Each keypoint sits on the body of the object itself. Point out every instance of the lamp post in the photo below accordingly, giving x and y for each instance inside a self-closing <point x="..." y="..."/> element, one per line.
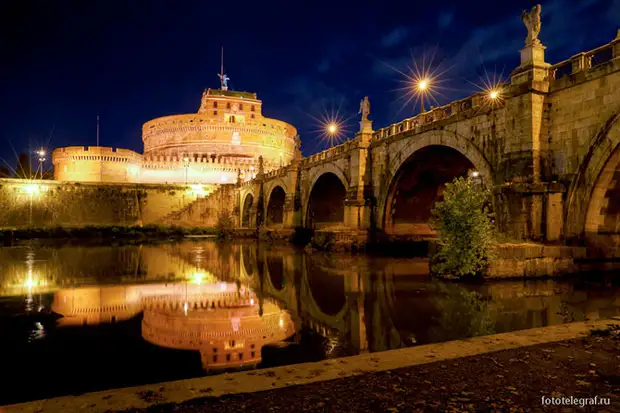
<point x="186" y="166"/>
<point x="422" y="87"/>
<point x="41" y="155"/>
<point x="476" y="179"/>
<point x="332" y="131"/>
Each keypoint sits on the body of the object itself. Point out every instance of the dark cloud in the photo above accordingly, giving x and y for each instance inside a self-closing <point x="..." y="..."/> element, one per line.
<point x="394" y="37"/>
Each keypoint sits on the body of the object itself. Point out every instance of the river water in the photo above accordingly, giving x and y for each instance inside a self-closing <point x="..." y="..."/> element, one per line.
<point x="83" y="318"/>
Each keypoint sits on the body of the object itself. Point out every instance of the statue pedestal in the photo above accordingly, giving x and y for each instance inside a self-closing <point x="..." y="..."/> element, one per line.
<point x="533" y="54"/>
<point x="366" y="126"/>
<point x="533" y="67"/>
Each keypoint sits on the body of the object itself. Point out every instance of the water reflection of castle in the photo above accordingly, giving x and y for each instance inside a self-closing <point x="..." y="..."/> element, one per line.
<point x="223" y="321"/>
<point x="364" y="304"/>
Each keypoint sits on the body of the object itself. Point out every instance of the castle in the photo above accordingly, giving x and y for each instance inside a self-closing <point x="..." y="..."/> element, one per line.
<point x="220" y="144"/>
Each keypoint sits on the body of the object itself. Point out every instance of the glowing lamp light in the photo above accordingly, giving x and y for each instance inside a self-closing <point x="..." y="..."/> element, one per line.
<point x="41" y="152"/>
<point x="251" y="301"/>
<point x="494" y="94"/>
<point x="332" y="128"/>
<point x="186" y="159"/>
<point x="281" y="322"/>
<point x="185" y="307"/>
<point x="475" y="174"/>
<point x="32" y="188"/>
<point x="422" y="84"/>
<point x="198" y="277"/>
<point x="197" y="190"/>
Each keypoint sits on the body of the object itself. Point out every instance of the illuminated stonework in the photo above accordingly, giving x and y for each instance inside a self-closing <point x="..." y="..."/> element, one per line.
<point x="225" y="322"/>
<point x="227" y="135"/>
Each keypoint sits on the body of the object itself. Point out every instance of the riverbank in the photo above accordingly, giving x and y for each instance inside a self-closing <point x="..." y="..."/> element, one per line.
<point x="105" y="234"/>
<point x="502" y="371"/>
<point x="586" y="369"/>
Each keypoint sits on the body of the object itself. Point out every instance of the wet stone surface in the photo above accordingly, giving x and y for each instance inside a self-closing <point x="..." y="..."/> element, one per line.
<point x="510" y="380"/>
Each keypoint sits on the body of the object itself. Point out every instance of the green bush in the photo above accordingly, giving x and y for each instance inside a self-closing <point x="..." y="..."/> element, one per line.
<point x="466" y="232"/>
<point x="225" y="225"/>
<point x="323" y="241"/>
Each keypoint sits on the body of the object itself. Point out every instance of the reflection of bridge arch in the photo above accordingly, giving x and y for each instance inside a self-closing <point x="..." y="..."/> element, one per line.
<point x="310" y="307"/>
<point x="432" y="143"/>
<point x="594" y="194"/>
<point x="324" y="204"/>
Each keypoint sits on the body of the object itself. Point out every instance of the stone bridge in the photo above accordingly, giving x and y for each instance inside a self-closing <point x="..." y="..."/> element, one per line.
<point x="548" y="146"/>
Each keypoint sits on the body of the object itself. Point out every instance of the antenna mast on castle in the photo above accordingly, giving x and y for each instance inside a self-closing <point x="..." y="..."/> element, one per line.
<point x="223" y="78"/>
<point x="97" y="130"/>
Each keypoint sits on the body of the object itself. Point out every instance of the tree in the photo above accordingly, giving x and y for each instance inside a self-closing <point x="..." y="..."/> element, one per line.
<point x="466" y="231"/>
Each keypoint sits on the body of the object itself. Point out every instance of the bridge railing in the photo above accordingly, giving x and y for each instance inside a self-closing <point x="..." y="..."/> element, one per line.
<point x="330" y="153"/>
<point x="436" y="114"/>
<point x="585" y="61"/>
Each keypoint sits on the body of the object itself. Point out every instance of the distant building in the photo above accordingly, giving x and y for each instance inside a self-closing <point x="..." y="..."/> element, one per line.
<point x="227" y="135"/>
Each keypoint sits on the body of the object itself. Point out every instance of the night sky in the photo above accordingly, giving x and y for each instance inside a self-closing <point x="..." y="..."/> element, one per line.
<point x="64" y="62"/>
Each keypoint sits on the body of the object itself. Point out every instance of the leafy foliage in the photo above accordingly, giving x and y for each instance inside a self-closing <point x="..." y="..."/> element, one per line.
<point x="466" y="231"/>
<point x="225" y="225"/>
<point x="461" y="314"/>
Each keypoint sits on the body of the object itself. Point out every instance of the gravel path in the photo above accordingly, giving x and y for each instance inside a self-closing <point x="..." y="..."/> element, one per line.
<point x="507" y="381"/>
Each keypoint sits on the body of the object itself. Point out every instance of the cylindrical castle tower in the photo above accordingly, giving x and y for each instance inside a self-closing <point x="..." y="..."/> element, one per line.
<point x="227" y="134"/>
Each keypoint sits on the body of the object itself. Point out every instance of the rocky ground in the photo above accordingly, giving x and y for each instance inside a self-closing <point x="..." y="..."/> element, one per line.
<point x="506" y="381"/>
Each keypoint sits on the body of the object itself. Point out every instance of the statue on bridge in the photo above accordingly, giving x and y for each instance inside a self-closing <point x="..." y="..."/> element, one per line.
<point x="532" y="23"/>
<point x="365" y="108"/>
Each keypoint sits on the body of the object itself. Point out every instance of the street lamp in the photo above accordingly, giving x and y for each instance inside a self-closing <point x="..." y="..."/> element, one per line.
<point x="422" y="86"/>
<point x="332" y="132"/>
<point x="41" y="156"/>
<point x="476" y="178"/>
<point x="186" y="166"/>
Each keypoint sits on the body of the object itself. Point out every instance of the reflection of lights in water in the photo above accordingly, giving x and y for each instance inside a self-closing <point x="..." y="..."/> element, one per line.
<point x="37" y="333"/>
<point x="235" y="322"/>
<point x="185" y="307"/>
<point x="251" y="301"/>
<point x="331" y="345"/>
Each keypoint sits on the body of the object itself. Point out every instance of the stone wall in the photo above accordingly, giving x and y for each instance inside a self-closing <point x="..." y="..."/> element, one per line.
<point x="51" y="203"/>
<point x="205" y="212"/>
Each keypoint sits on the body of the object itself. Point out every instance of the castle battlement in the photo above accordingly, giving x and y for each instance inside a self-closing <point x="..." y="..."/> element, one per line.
<point x="226" y="136"/>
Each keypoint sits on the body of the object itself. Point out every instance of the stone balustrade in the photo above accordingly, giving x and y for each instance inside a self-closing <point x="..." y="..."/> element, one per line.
<point x="585" y="61"/>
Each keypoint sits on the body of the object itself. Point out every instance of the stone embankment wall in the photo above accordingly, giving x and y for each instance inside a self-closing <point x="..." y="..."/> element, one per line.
<point x="51" y="203"/>
<point x="206" y="212"/>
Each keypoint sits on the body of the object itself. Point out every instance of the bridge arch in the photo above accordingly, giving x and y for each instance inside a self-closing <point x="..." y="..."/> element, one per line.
<point x="324" y="202"/>
<point x="593" y="202"/>
<point x="246" y="210"/>
<point x="275" y="205"/>
<point x="416" y="174"/>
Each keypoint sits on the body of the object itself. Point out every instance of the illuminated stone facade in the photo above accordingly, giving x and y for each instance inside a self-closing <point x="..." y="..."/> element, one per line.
<point x="227" y="324"/>
<point x="224" y="139"/>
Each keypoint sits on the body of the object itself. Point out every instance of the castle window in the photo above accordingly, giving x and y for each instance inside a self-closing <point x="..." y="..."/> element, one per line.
<point x="215" y="104"/>
<point x="228" y="105"/>
<point x="252" y="116"/>
<point x="252" y="108"/>
<point x="215" y="112"/>
<point x="240" y="356"/>
<point x="227" y="357"/>
<point x="240" y="106"/>
<point x="232" y="119"/>
<point x="215" y="359"/>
